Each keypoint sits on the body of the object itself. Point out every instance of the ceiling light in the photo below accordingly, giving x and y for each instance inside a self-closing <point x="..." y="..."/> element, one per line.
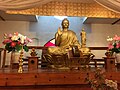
<point x="60" y="17"/>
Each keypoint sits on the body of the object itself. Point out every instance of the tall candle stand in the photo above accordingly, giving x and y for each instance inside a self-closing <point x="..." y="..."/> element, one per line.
<point x="20" y="70"/>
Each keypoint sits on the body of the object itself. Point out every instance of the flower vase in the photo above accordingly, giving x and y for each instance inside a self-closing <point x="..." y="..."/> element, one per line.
<point x="117" y="57"/>
<point x="14" y="60"/>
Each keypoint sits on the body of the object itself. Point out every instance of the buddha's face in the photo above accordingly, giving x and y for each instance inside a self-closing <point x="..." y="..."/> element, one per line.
<point x="65" y="23"/>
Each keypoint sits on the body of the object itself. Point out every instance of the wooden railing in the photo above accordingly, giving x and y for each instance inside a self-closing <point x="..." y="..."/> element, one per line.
<point x="3" y="60"/>
<point x="91" y="48"/>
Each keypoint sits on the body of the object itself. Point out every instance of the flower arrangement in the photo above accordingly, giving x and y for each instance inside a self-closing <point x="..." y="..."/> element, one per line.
<point x="114" y="44"/>
<point x="15" y="42"/>
<point x="99" y="82"/>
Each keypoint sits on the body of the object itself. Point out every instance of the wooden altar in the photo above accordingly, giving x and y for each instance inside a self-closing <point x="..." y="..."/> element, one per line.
<point x="48" y="79"/>
<point x="51" y="79"/>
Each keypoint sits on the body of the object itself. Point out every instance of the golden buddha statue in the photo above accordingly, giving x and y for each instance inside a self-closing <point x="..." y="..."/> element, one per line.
<point x="66" y="47"/>
<point x="65" y="39"/>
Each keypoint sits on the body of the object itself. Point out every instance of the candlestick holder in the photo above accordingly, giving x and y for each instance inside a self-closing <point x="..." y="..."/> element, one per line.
<point x="20" y="70"/>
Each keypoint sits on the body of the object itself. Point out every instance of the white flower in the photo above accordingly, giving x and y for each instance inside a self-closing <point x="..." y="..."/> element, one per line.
<point x="109" y="39"/>
<point x="22" y="38"/>
<point x="111" y="83"/>
<point x="14" y="37"/>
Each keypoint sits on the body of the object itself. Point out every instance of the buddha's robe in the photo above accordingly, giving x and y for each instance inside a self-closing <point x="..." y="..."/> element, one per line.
<point x="64" y="43"/>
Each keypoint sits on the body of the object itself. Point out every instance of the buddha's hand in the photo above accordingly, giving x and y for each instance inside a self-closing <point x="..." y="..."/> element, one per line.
<point x="59" y="31"/>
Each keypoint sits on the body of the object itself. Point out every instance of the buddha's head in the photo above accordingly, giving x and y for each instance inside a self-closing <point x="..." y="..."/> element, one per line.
<point x="65" y="23"/>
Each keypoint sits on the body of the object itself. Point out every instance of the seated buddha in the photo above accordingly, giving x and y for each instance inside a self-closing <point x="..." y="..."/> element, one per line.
<point x="66" y="46"/>
<point x="65" y="39"/>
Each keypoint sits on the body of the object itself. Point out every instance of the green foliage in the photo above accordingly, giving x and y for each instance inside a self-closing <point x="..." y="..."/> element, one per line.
<point x="116" y="50"/>
<point x="17" y="48"/>
<point x="26" y="48"/>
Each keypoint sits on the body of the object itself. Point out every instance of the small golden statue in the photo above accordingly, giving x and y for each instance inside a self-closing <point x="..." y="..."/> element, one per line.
<point x="85" y="50"/>
<point x="83" y="38"/>
<point x="33" y="52"/>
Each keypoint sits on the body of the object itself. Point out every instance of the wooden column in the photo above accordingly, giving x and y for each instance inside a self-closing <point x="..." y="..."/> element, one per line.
<point x="33" y="63"/>
<point x="109" y="63"/>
